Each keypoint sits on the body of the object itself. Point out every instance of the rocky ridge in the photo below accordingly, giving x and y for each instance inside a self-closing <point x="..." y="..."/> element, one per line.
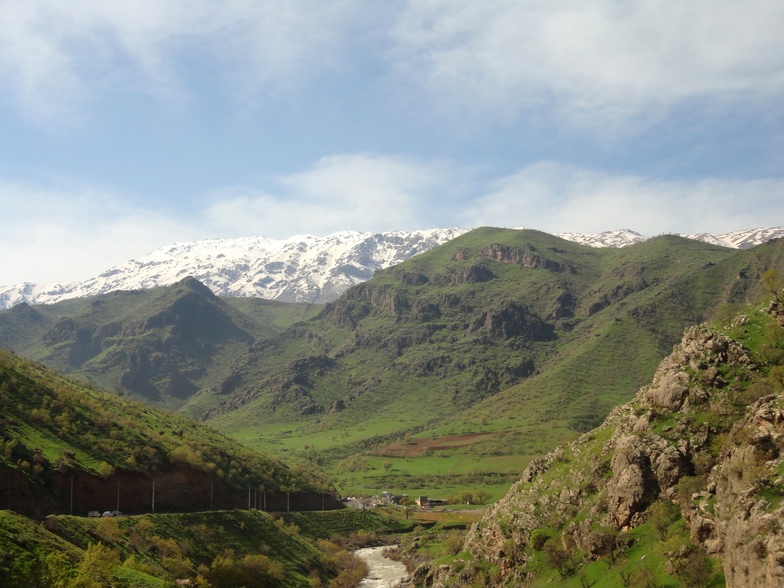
<point x="693" y="468"/>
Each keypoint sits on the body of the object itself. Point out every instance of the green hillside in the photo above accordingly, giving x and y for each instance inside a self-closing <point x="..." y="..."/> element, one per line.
<point x="518" y="334"/>
<point x="160" y="345"/>
<point x="68" y="447"/>
<point x="450" y="370"/>
<point x="221" y="549"/>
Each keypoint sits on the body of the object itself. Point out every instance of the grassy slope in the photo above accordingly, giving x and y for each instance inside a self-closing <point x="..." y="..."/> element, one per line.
<point x="156" y="549"/>
<point x="597" y="359"/>
<point x="56" y="415"/>
<point x="160" y="345"/>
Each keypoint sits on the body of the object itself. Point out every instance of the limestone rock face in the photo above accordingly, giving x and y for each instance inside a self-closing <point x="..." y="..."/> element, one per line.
<point x="750" y="527"/>
<point x="669" y="392"/>
<point x="632" y="486"/>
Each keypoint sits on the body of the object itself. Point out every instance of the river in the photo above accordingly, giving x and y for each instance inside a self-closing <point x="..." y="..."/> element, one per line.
<point x="384" y="572"/>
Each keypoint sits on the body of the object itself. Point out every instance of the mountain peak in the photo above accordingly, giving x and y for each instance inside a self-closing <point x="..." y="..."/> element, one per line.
<point x="192" y="284"/>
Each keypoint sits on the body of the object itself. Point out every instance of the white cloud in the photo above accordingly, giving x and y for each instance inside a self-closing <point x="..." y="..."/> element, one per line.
<point x="57" y="56"/>
<point x="75" y="234"/>
<point x="359" y="191"/>
<point x="558" y="198"/>
<point x="598" y="63"/>
<point x="58" y="235"/>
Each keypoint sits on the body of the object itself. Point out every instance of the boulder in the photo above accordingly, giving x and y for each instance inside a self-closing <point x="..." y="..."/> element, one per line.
<point x="670" y="391"/>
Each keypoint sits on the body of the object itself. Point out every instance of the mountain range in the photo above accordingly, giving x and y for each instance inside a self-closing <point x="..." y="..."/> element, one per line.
<point x="462" y="365"/>
<point x="301" y="268"/>
<point x="516" y="328"/>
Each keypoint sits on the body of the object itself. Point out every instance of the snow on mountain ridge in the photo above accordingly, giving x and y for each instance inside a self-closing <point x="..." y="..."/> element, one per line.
<point x="619" y="238"/>
<point x="744" y="239"/>
<point x="302" y="268"/>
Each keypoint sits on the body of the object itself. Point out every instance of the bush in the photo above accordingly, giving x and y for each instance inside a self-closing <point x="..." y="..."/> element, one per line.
<point x="559" y="557"/>
<point x="539" y="537"/>
<point x="661" y="514"/>
<point x="453" y="543"/>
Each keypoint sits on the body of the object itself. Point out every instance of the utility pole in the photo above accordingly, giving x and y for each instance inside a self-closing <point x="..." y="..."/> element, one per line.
<point x="248" y="496"/>
<point x="153" y="497"/>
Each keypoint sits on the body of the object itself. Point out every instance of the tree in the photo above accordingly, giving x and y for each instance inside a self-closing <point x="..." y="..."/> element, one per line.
<point x="661" y="515"/>
<point x="559" y="557"/>
<point x="409" y="509"/>
<point x="538" y="538"/>
<point x="453" y="543"/>
<point x="97" y="567"/>
<point x="645" y="577"/>
<point x="609" y="543"/>
<point x="481" y="496"/>
<point x="772" y="282"/>
<point x="387" y="465"/>
<point x="56" y="571"/>
<point x="105" y="470"/>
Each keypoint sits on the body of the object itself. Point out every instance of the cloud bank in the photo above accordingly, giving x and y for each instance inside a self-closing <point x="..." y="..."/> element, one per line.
<point x="406" y="114"/>
<point x="591" y="64"/>
<point x="58" y="235"/>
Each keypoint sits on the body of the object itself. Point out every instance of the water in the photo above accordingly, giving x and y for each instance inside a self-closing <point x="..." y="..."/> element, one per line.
<point x="384" y="572"/>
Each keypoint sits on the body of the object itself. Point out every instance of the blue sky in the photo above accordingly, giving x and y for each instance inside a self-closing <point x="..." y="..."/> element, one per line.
<point x="126" y="126"/>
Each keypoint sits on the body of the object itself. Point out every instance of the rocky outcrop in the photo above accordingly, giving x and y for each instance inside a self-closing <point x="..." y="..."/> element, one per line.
<point x="411" y="278"/>
<point x="474" y="274"/>
<point x="633" y="485"/>
<point x="600" y="300"/>
<point x="290" y="388"/>
<point x="698" y="438"/>
<point x="748" y="524"/>
<point x="524" y="257"/>
<point x="513" y="320"/>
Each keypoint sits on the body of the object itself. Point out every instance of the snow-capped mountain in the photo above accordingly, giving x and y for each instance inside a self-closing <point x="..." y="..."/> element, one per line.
<point x="741" y="239"/>
<point x="301" y="268"/>
<point x="619" y="238"/>
<point x="745" y="239"/>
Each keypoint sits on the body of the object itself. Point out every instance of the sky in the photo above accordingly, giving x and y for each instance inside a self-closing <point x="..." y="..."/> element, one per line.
<point x="128" y="126"/>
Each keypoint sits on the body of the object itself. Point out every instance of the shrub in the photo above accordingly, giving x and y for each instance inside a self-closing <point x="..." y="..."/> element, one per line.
<point x="560" y="557"/>
<point x="105" y="470"/>
<point x="539" y="537"/>
<point x="661" y="514"/>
